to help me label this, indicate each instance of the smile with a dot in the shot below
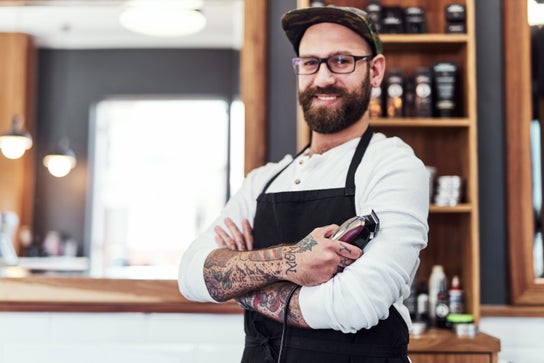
(326, 98)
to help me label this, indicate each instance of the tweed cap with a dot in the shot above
(295, 23)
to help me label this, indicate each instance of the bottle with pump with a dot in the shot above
(437, 277)
(456, 297)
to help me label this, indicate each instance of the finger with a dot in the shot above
(220, 241)
(344, 262)
(227, 240)
(349, 251)
(248, 234)
(236, 234)
(330, 229)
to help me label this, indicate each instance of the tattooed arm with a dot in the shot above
(271, 301)
(311, 261)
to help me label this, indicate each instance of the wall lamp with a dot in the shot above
(60, 161)
(16, 140)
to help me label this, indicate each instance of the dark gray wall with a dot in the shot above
(71, 81)
(493, 246)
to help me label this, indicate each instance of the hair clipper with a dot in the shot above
(358, 230)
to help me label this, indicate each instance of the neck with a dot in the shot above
(323, 142)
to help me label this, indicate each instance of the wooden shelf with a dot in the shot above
(420, 122)
(459, 208)
(431, 38)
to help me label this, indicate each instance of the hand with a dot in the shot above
(236, 240)
(317, 258)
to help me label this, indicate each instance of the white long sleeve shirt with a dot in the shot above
(392, 181)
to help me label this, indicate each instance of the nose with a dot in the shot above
(323, 76)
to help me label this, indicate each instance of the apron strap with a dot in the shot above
(356, 160)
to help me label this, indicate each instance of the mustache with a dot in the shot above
(325, 90)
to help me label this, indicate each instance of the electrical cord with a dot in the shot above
(284, 328)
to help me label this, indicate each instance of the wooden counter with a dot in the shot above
(441, 345)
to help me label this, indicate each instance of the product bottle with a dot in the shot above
(411, 301)
(375, 105)
(442, 308)
(456, 297)
(422, 312)
(437, 276)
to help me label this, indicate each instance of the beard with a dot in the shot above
(328, 120)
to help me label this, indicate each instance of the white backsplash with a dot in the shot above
(180, 338)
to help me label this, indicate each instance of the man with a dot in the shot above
(277, 228)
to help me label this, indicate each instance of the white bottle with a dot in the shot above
(437, 277)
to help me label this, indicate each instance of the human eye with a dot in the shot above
(341, 60)
(309, 62)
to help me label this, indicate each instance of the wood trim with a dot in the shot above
(512, 311)
(517, 65)
(253, 82)
(71, 294)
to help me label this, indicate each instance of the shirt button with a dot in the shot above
(301, 162)
(297, 181)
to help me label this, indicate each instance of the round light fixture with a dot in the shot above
(15, 141)
(163, 18)
(61, 161)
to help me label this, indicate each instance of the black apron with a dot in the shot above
(287, 217)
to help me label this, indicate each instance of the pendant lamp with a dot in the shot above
(16, 140)
(60, 161)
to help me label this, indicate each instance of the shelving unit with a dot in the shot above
(448, 144)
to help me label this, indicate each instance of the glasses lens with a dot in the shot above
(305, 65)
(341, 63)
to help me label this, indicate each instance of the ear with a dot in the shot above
(377, 70)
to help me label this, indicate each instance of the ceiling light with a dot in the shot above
(16, 140)
(61, 161)
(166, 18)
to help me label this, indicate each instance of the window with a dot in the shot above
(161, 174)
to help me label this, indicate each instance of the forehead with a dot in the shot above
(329, 38)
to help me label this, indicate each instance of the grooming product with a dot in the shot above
(9, 222)
(448, 190)
(414, 20)
(432, 176)
(375, 106)
(442, 307)
(422, 312)
(411, 301)
(436, 280)
(463, 324)
(392, 20)
(456, 297)
(444, 76)
(423, 93)
(394, 93)
(455, 18)
(409, 97)
(358, 230)
(374, 10)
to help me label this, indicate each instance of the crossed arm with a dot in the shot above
(260, 280)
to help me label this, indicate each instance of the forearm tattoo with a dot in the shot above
(271, 302)
(229, 274)
(291, 252)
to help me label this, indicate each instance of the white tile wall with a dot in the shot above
(119, 337)
(183, 338)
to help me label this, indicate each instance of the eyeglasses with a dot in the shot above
(339, 64)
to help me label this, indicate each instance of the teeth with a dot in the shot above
(326, 98)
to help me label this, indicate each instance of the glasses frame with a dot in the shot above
(356, 58)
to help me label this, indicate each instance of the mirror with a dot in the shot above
(525, 288)
(45, 293)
